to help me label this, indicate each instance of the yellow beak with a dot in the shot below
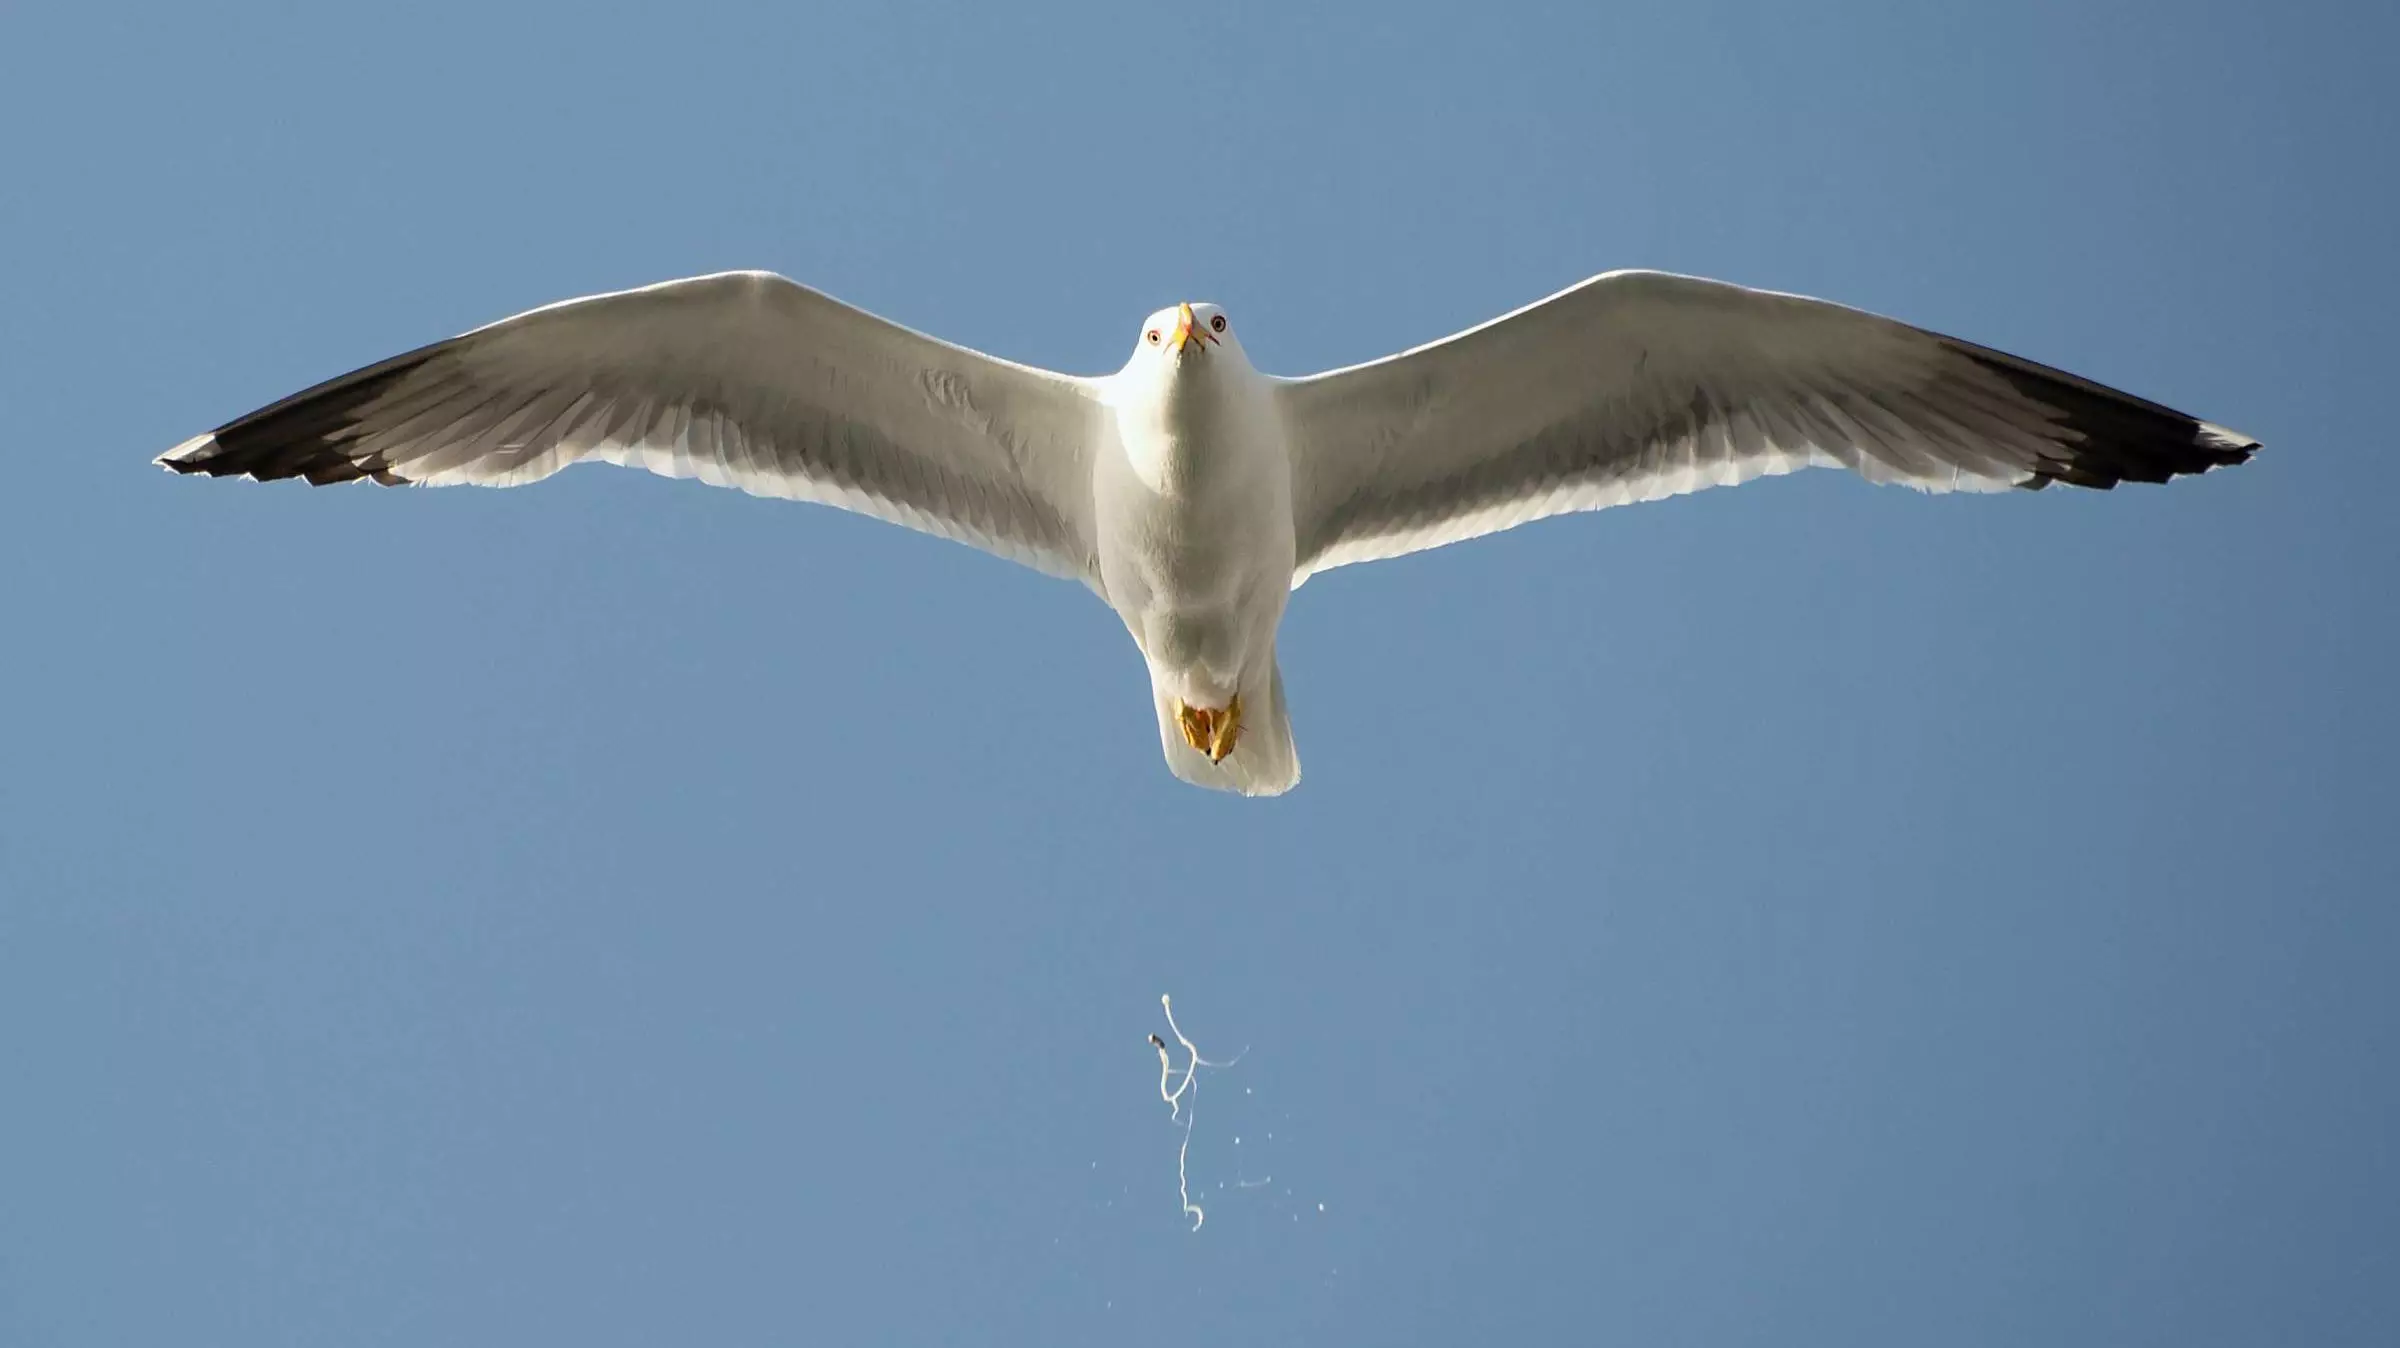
(1187, 327)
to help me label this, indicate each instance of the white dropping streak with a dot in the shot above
(1174, 1098)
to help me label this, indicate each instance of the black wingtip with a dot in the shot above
(2111, 454)
(2107, 437)
(189, 457)
(303, 435)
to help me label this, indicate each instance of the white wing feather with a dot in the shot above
(1635, 386)
(743, 380)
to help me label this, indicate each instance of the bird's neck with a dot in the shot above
(1188, 431)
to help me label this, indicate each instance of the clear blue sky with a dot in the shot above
(625, 912)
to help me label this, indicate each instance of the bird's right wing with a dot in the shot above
(1637, 385)
(743, 380)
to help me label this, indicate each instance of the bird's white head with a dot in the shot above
(1188, 337)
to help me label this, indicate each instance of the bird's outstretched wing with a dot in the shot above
(741, 380)
(1635, 386)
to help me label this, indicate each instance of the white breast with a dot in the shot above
(1194, 509)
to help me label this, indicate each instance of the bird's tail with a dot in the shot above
(1264, 761)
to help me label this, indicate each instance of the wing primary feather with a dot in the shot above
(441, 436)
(1689, 384)
(2109, 436)
(295, 435)
(736, 379)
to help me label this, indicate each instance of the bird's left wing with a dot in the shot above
(742, 380)
(1639, 385)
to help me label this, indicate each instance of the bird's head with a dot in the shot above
(1188, 337)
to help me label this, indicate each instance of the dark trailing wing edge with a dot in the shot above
(305, 435)
(2111, 436)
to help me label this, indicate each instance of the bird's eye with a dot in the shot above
(1216, 322)
(1152, 335)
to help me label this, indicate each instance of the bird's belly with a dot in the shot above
(1200, 576)
(1175, 559)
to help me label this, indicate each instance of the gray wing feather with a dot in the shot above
(1635, 386)
(742, 380)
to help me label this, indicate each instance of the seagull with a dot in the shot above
(1189, 491)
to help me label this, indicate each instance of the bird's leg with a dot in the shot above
(1199, 724)
(1229, 729)
(1211, 731)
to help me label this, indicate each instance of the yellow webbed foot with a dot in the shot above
(1212, 732)
(1195, 724)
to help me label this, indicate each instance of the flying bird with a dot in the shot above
(1189, 491)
